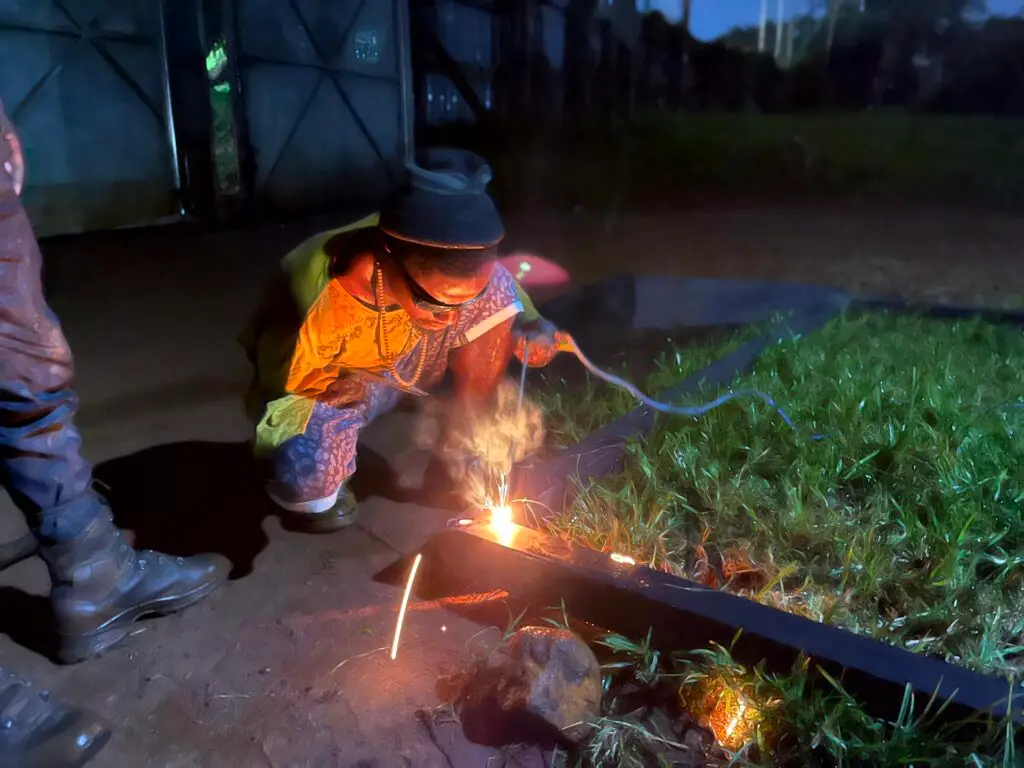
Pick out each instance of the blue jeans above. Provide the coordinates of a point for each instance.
(41, 466)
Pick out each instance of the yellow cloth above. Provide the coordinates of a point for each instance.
(529, 313)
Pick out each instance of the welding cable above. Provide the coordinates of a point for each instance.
(568, 344)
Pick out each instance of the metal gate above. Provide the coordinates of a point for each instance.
(85, 83)
(327, 98)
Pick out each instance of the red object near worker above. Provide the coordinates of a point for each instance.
(533, 272)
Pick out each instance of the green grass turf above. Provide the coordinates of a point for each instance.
(793, 720)
(658, 160)
(904, 522)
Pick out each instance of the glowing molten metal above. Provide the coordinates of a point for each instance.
(502, 524)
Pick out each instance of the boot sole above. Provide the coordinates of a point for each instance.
(311, 524)
(94, 749)
(78, 648)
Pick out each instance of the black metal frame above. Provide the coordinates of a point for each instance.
(244, 60)
(84, 33)
(89, 33)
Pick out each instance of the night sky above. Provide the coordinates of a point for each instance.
(712, 18)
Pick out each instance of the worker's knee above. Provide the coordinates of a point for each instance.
(306, 475)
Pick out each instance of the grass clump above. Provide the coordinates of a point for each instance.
(802, 718)
(898, 512)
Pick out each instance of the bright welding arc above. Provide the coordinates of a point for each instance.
(405, 605)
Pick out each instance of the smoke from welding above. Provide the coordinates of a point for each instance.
(483, 443)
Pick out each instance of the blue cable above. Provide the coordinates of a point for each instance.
(676, 410)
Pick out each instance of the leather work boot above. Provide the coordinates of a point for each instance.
(343, 514)
(38, 731)
(101, 586)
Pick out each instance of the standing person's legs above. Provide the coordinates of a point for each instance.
(100, 584)
(42, 467)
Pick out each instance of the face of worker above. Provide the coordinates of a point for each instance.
(432, 297)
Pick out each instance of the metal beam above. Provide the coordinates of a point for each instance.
(685, 615)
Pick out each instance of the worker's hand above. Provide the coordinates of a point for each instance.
(538, 341)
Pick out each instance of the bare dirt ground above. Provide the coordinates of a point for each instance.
(931, 255)
(252, 676)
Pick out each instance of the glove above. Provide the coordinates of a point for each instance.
(539, 340)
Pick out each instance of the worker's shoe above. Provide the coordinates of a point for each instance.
(39, 731)
(344, 513)
(101, 586)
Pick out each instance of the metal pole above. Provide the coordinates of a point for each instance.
(407, 94)
(172, 137)
(790, 28)
(778, 29)
(762, 29)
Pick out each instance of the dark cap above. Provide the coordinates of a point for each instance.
(445, 202)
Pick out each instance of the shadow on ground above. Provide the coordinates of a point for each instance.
(190, 497)
(193, 497)
(28, 620)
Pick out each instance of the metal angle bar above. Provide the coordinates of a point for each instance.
(249, 60)
(59, 64)
(684, 615)
(83, 33)
(128, 80)
(359, 122)
(74, 22)
(309, 33)
(938, 311)
(351, 24)
(11, 26)
(332, 76)
(45, 79)
(100, 34)
(109, 35)
(294, 130)
(367, 76)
